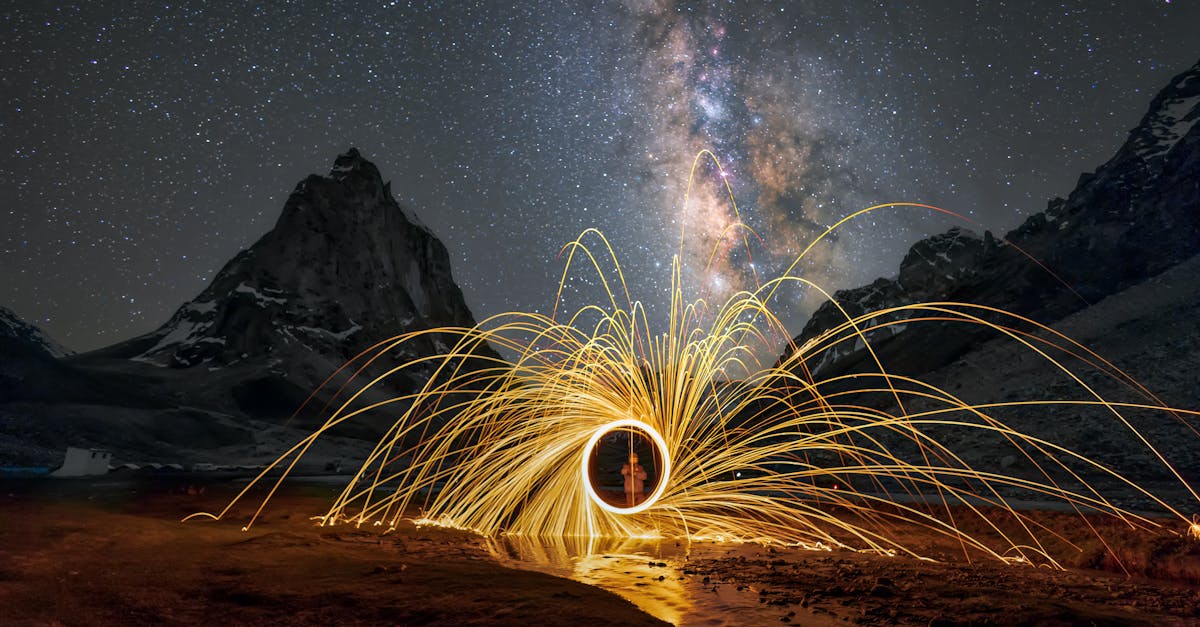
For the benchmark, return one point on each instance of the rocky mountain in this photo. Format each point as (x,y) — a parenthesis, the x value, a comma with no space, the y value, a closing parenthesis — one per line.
(344,267)
(1133,218)
(15,330)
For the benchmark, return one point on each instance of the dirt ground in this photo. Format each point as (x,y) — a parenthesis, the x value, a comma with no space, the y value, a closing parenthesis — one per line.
(114,552)
(810,588)
(118,555)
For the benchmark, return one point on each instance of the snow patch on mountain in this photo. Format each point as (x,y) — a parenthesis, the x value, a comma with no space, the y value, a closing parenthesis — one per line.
(242,288)
(339,336)
(1172,123)
(1171,117)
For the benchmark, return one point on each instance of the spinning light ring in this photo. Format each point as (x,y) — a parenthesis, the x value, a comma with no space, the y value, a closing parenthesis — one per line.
(664,455)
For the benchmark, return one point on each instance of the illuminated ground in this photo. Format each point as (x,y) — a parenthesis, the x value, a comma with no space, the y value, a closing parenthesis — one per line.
(113,552)
(116,554)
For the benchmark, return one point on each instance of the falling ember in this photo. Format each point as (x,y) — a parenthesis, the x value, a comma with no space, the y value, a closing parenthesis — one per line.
(741,450)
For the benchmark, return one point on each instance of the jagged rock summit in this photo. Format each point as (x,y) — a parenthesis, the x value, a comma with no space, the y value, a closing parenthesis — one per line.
(1133,218)
(344,267)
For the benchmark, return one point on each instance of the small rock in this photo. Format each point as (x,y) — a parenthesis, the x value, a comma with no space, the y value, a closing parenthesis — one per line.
(883,592)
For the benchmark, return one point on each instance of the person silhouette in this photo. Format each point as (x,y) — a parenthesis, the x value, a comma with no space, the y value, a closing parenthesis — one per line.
(635,481)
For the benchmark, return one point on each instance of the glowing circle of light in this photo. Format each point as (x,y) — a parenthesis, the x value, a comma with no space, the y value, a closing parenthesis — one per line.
(663,453)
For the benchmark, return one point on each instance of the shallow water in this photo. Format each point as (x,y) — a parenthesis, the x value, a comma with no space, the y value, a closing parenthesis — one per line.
(647,572)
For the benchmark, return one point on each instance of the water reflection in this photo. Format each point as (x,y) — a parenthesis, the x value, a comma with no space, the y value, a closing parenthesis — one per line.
(629,567)
(645,571)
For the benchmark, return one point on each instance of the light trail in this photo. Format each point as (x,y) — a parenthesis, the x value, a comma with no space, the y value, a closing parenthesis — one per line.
(750,451)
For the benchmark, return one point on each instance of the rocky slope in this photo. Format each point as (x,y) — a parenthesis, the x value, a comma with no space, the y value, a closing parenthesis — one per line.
(31,366)
(1148,331)
(1134,217)
(16,330)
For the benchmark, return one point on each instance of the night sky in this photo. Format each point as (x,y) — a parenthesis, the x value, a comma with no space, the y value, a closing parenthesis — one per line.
(141,148)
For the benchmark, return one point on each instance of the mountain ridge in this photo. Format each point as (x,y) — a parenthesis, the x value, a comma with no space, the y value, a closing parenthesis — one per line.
(14,328)
(1135,216)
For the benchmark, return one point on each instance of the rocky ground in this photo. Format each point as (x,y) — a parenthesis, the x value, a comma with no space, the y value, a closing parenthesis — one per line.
(107,553)
(872,590)
(114,552)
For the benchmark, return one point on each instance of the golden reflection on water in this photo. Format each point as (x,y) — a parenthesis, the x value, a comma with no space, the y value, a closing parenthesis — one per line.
(628,567)
(647,572)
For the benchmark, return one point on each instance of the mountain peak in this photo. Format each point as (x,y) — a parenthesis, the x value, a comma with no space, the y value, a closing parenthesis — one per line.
(344,266)
(1172,114)
(354,184)
(352,161)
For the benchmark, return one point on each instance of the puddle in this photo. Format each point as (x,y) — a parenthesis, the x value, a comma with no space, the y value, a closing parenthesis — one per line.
(647,572)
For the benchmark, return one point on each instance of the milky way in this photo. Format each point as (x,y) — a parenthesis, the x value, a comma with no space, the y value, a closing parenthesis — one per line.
(140,148)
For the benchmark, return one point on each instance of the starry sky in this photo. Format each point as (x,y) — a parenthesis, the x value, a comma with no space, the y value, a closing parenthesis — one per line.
(143,145)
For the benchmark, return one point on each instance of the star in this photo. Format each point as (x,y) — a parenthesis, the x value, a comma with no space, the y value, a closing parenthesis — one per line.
(142,147)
